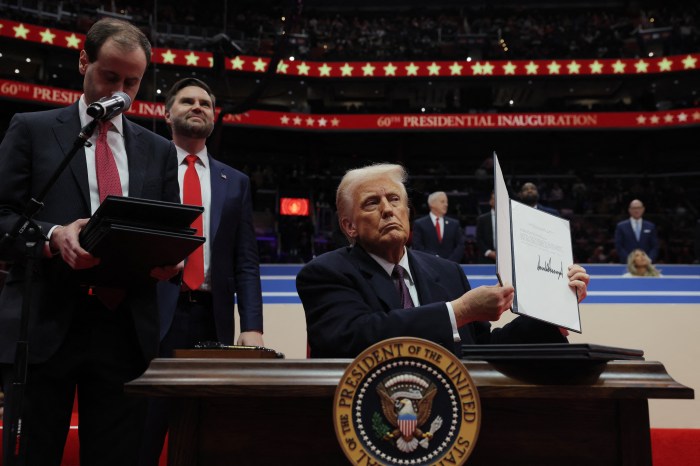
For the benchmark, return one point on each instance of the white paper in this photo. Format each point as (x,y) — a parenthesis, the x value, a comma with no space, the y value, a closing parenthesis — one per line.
(542,253)
(504,260)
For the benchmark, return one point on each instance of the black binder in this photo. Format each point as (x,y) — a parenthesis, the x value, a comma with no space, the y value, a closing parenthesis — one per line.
(132,235)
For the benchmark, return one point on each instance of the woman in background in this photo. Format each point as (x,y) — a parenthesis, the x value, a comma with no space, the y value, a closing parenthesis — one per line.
(639,265)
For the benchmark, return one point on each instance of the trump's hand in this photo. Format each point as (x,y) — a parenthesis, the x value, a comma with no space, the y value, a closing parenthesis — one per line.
(579,280)
(485,303)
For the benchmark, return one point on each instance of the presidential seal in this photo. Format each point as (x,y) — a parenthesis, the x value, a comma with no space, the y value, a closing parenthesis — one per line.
(406,401)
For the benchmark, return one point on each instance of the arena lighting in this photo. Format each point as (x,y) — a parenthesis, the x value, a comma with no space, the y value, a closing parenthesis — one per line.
(298,206)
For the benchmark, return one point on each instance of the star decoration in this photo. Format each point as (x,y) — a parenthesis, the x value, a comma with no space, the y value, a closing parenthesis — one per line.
(573,67)
(20,31)
(368,70)
(619,66)
(412,69)
(192,59)
(553,67)
(654,119)
(303,69)
(665,64)
(73,41)
(641,66)
(346,70)
(456,69)
(284,119)
(531,67)
(47,36)
(689,62)
(477,69)
(696,116)
(309,121)
(390,70)
(259,65)
(282,67)
(509,68)
(682,117)
(237,63)
(211,62)
(324,70)
(487,68)
(596,67)
(335,122)
(434,69)
(641,119)
(296,120)
(322,122)
(668,118)
(168,56)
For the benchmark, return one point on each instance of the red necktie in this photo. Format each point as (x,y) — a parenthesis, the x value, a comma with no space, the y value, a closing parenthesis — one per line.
(437,230)
(107,174)
(193,275)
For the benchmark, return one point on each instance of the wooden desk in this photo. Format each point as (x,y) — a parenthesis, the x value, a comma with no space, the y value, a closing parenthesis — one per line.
(279,412)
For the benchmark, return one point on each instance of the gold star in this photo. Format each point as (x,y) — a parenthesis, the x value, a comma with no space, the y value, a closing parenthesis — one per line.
(324,70)
(282,67)
(596,67)
(641,119)
(553,67)
(456,69)
(509,68)
(346,70)
(682,117)
(412,69)
(296,120)
(696,116)
(20,31)
(322,122)
(211,62)
(689,62)
(488,68)
(390,70)
(309,121)
(73,41)
(641,66)
(168,57)
(434,69)
(619,66)
(654,119)
(368,70)
(477,69)
(573,67)
(237,63)
(192,59)
(259,65)
(47,36)
(668,118)
(284,119)
(303,69)
(665,64)
(335,122)
(531,67)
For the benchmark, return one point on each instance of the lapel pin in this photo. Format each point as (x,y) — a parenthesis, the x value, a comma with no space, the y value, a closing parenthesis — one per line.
(223,175)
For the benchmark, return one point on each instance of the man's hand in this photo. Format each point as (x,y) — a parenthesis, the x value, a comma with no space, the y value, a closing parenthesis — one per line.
(65,241)
(250,338)
(579,279)
(491,254)
(167,272)
(485,303)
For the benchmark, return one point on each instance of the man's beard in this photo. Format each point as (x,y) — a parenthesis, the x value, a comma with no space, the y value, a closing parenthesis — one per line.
(185,128)
(530,199)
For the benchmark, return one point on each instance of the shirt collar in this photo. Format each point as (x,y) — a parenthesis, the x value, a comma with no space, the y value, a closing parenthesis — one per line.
(389,267)
(433,217)
(117,121)
(201,155)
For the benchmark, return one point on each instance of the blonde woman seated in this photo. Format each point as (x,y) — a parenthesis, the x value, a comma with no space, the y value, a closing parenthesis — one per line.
(639,265)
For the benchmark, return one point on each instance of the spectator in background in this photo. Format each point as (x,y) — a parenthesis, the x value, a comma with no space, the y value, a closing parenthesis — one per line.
(530,196)
(437,234)
(485,234)
(639,265)
(636,233)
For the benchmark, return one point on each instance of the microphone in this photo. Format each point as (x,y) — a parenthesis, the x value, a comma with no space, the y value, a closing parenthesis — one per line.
(108,107)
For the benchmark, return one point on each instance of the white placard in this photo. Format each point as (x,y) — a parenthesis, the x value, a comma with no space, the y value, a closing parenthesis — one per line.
(504,260)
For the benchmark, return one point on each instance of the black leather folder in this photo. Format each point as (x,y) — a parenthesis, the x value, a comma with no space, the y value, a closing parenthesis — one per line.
(550,352)
(131,236)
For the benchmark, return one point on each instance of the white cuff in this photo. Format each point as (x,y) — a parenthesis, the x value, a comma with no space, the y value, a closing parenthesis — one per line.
(453,321)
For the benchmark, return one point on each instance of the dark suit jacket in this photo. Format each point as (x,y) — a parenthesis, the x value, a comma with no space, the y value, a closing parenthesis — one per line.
(351,303)
(425,238)
(550,210)
(234,265)
(33,147)
(484,236)
(626,241)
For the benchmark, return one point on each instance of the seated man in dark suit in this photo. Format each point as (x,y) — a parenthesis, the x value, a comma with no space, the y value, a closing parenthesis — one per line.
(356,296)
(530,196)
(438,234)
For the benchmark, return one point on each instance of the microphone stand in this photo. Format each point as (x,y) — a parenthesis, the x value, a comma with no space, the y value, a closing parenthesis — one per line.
(31,243)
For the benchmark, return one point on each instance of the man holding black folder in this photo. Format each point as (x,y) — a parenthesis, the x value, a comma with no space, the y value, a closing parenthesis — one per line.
(80,336)
(200,307)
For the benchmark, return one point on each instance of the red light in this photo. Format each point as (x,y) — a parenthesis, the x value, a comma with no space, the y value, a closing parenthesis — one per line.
(294,206)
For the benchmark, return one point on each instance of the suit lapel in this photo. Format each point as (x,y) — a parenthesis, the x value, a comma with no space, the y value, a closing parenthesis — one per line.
(66,132)
(427,283)
(136,154)
(381,283)
(218,182)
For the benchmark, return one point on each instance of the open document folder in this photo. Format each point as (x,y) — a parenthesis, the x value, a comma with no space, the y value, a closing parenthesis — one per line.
(131,236)
(533,253)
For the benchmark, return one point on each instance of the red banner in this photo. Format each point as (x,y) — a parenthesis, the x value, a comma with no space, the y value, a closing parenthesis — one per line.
(373,122)
(384,69)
